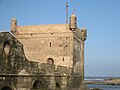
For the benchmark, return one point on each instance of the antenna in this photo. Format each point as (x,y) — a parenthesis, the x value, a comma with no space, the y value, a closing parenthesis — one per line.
(74,10)
(66,12)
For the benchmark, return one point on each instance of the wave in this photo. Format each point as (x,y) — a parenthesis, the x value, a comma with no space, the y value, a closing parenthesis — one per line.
(98,78)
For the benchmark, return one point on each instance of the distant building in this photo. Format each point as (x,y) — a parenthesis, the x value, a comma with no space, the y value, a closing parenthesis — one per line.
(42,57)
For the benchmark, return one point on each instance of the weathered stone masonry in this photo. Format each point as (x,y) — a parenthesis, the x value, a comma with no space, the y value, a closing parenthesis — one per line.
(47,57)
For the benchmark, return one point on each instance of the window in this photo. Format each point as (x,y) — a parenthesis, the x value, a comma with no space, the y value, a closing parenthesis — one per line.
(60,37)
(63,59)
(6,47)
(50,61)
(51,33)
(50,44)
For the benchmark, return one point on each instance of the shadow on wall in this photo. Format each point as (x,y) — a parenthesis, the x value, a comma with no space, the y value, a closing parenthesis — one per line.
(38,85)
(6,88)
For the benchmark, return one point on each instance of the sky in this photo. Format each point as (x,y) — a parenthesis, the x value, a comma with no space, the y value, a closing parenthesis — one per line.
(100,17)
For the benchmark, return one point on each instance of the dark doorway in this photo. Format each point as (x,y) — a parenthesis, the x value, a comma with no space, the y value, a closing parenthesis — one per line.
(50,61)
(6,88)
(58,86)
(38,85)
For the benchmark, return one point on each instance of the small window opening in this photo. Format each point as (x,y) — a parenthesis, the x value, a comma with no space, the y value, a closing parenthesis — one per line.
(66,45)
(60,45)
(51,33)
(57,86)
(50,44)
(63,59)
(60,37)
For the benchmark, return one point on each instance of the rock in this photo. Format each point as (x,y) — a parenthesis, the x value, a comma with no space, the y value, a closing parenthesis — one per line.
(96,89)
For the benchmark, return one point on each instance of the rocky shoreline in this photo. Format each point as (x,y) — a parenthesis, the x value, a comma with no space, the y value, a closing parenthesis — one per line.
(112,81)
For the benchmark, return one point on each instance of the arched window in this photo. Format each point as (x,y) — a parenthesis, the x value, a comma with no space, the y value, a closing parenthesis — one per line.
(6,47)
(38,85)
(50,61)
(6,88)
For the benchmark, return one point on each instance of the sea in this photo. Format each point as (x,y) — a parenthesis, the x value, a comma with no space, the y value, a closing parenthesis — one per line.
(103,87)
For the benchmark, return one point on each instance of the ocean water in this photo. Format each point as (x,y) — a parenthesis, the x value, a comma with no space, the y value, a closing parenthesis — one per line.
(104,87)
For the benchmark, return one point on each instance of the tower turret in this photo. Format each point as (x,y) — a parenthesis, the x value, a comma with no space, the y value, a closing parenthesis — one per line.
(13,25)
(73,22)
(84,33)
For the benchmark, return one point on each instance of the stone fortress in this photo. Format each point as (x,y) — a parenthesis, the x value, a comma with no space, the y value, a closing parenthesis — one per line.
(42,57)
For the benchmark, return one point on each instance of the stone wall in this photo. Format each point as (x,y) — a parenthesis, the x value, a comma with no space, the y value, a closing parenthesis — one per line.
(11,54)
(47,41)
(42,57)
(18,73)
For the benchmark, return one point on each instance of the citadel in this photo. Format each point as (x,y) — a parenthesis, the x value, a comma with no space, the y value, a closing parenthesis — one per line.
(42,57)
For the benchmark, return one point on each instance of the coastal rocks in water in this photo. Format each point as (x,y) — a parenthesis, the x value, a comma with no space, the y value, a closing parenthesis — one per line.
(112,81)
(95,89)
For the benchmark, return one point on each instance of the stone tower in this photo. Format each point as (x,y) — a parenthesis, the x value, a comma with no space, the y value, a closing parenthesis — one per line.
(43,56)
(13,25)
(73,22)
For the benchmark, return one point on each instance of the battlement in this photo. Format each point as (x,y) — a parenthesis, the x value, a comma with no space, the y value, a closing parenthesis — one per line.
(50,28)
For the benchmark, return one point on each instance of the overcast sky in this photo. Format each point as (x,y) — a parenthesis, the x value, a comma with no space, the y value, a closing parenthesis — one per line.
(101,17)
